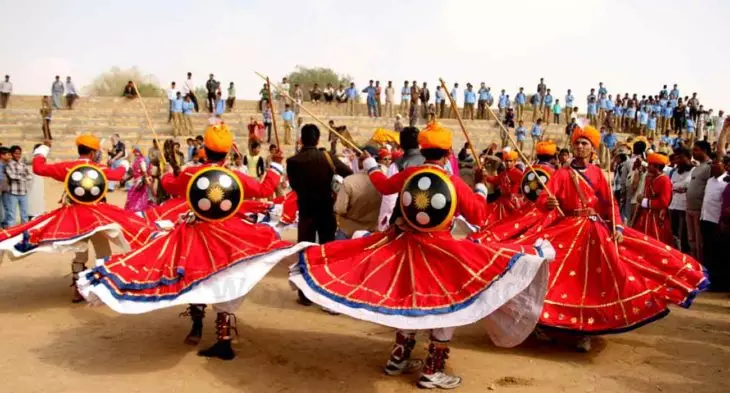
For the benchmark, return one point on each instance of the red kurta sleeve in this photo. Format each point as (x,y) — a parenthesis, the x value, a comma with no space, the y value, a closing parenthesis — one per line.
(177,185)
(389,185)
(662,193)
(253,189)
(515,177)
(54,171)
(114,174)
(470,204)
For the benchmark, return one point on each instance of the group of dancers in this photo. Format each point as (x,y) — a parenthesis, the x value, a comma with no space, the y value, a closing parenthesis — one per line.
(549,254)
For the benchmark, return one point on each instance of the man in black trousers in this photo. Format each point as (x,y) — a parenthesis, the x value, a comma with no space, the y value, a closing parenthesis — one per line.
(311,172)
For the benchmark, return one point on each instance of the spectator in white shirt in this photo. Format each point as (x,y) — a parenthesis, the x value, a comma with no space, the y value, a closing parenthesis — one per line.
(389,99)
(713,249)
(680,177)
(171,96)
(719,122)
(6,88)
(70,93)
(189,90)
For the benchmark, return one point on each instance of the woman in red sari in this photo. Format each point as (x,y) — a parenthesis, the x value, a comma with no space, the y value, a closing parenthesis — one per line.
(653,218)
(605,279)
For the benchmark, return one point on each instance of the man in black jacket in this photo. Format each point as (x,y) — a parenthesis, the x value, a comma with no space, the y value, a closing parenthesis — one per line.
(212,86)
(310,175)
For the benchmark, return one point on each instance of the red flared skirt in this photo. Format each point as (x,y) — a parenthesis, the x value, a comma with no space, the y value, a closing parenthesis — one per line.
(596,289)
(655,223)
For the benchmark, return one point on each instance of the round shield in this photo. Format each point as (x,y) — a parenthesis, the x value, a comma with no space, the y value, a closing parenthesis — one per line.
(428,200)
(530,184)
(85,184)
(214,194)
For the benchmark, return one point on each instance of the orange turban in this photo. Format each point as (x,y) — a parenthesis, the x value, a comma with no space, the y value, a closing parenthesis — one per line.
(587,132)
(546,148)
(435,136)
(509,155)
(218,138)
(657,159)
(89,141)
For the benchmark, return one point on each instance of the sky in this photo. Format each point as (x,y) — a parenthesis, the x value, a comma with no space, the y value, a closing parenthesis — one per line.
(630,46)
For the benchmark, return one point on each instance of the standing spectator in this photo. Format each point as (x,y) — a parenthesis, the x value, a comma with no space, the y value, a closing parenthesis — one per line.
(220,104)
(190,154)
(591,103)
(253,161)
(541,90)
(535,102)
(651,125)
(405,98)
(116,157)
(643,120)
(19,176)
(695,196)
(502,103)
(680,177)
(536,132)
(481,104)
(212,86)
(569,99)
(470,98)
(280,96)
(298,98)
(263,96)
(129,92)
(176,110)
(172,93)
(6,88)
(520,133)
(389,99)
(608,143)
(255,131)
(690,130)
(413,109)
(288,117)
(372,104)
(188,107)
(569,130)
(57,92)
(5,158)
(36,194)
(520,101)
(719,121)
(46,114)
(425,96)
(679,116)
(351,94)
(440,100)
(378,93)
(547,107)
(71,95)
(268,117)
(454,95)
(674,93)
(231,99)
(189,90)
(556,112)
(712,248)
(694,107)
(311,173)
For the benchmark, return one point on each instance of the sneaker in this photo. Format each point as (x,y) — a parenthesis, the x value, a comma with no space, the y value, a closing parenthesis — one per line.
(439,380)
(583,345)
(407,366)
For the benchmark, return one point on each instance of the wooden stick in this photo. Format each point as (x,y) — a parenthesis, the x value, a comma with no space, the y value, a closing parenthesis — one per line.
(461,124)
(273,113)
(613,207)
(522,156)
(320,121)
(149,123)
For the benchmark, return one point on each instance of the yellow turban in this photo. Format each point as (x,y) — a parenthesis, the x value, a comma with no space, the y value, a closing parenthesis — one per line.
(218,138)
(657,159)
(509,155)
(588,132)
(89,141)
(546,148)
(435,136)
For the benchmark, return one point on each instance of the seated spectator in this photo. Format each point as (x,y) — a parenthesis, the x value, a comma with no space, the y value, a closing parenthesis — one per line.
(129,91)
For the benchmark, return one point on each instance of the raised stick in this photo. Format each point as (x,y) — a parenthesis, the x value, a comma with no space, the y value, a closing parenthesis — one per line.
(273,113)
(461,124)
(320,121)
(522,156)
(149,123)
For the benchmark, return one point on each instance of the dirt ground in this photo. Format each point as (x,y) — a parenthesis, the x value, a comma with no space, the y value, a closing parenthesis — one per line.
(50,345)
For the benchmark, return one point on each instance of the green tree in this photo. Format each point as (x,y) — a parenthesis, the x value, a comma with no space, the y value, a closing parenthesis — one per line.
(112,82)
(307,77)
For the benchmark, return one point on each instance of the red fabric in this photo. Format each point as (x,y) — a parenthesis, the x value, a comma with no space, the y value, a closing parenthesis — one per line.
(252,188)
(59,170)
(654,221)
(510,198)
(16,230)
(74,220)
(469,204)
(192,252)
(289,209)
(168,210)
(595,288)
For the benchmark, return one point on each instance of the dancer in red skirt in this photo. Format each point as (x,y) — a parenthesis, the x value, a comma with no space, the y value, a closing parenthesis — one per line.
(211,255)
(508,183)
(83,216)
(415,276)
(653,217)
(605,279)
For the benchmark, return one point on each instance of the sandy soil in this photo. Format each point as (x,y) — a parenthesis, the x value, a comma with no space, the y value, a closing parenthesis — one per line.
(50,345)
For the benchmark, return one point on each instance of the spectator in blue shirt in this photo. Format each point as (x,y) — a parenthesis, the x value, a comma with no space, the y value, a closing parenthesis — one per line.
(569,106)
(520,133)
(520,101)
(556,111)
(371,101)
(470,98)
(220,104)
(548,106)
(484,97)
(176,109)
(351,94)
(502,102)
(674,93)
(536,132)
(288,118)
(602,90)
(608,142)
(188,106)
(591,102)
(535,102)
(664,93)
(651,124)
